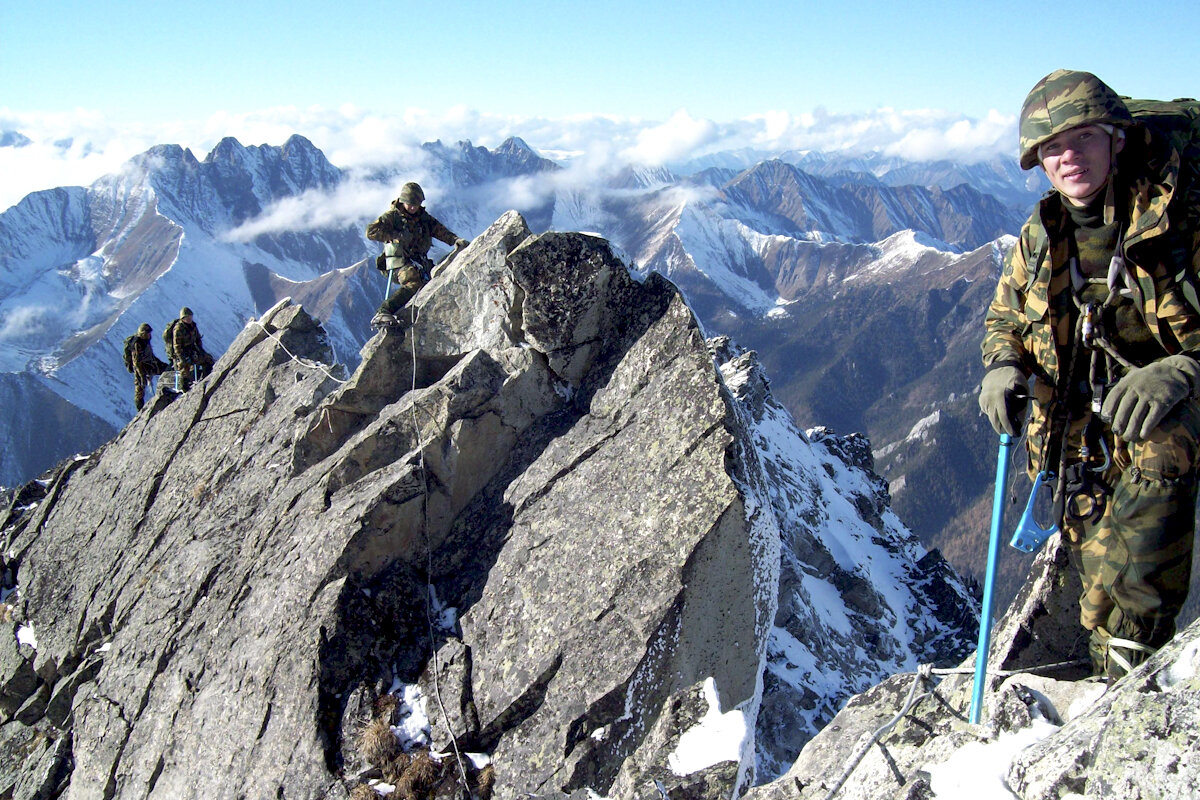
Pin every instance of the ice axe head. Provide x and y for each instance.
(1029, 535)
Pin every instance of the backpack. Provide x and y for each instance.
(129, 352)
(169, 339)
(1177, 122)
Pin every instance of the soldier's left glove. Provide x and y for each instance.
(1140, 400)
(461, 242)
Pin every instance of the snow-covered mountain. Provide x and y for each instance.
(81, 268)
(761, 252)
(859, 597)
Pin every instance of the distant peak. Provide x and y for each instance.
(226, 150)
(514, 144)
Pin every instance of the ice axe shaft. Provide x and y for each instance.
(985, 613)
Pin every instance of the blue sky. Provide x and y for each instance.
(141, 60)
(124, 75)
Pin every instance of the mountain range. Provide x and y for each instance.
(860, 282)
(848, 291)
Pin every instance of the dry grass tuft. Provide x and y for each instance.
(421, 776)
(385, 706)
(377, 744)
(363, 792)
(394, 769)
(484, 782)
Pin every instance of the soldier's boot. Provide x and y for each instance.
(1124, 655)
(383, 319)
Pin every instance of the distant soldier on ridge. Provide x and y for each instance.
(141, 361)
(408, 231)
(186, 350)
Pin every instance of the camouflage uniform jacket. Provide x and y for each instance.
(412, 234)
(1031, 320)
(187, 343)
(144, 360)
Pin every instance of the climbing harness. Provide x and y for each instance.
(1077, 489)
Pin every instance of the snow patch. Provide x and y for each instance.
(25, 635)
(414, 730)
(978, 769)
(716, 738)
(1184, 669)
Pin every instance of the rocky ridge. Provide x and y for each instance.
(540, 513)
(1046, 730)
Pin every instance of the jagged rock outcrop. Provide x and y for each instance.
(859, 599)
(222, 592)
(1060, 736)
(538, 518)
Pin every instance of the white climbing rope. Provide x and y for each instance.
(437, 688)
(301, 361)
(923, 676)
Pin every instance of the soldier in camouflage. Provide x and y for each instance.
(143, 363)
(1090, 308)
(408, 231)
(191, 361)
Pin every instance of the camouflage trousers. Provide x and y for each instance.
(191, 367)
(1135, 561)
(141, 379)
(410, 282)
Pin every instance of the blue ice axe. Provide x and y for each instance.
(985, 614)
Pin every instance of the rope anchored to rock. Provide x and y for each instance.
(301, 361)
(437, 689)
(924, 677)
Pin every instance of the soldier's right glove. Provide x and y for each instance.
(1003, 398)
(1140, 400)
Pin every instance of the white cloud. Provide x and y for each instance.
(25, 321)
(676, 138)
(78, 148)
(348, 204)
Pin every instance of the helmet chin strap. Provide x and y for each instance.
(1116, 137)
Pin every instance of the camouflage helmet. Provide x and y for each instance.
(411, 193)
(1062, 100)
(144, 328)
(185, 312)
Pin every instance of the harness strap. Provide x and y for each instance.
(1127, 644)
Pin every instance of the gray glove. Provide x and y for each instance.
(1003, 399)
(1140, 400)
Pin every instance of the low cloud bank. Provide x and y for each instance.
(77, 148)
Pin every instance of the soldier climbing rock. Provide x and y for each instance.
(141, 361)
(408, 231)
(1091, 307)
(187, 350)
